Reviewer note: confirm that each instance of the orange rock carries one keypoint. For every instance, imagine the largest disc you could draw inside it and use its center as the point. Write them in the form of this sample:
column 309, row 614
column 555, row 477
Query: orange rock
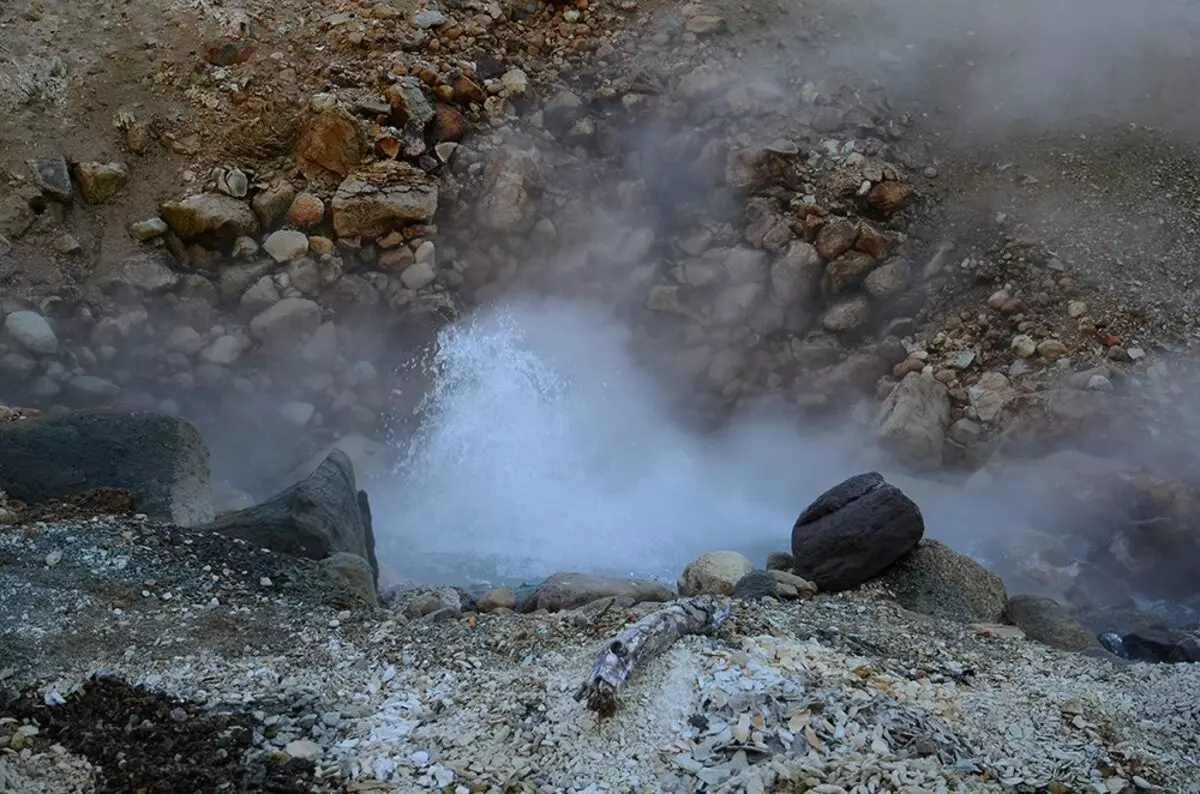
column 889, row 197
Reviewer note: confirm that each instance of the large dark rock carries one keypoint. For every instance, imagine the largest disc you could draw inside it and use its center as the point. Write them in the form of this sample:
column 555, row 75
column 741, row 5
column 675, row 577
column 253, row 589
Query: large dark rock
column 318, row 517
column 936, row 580
column 1161, row 644
column 854, row 531
column 161, row 460
column 1048, row 622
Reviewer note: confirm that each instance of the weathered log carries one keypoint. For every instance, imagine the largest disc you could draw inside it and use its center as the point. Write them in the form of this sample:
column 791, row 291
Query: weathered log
column 648, row 637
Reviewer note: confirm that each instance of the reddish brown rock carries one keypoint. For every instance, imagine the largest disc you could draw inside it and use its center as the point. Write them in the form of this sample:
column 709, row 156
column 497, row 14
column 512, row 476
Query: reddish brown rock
column 332, row 146
column 890, row 197
column 835, row 238
column 306, row 211
column 448, row 125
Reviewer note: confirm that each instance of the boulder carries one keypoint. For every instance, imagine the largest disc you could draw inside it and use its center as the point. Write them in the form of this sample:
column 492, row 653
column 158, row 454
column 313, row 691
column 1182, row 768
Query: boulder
column 352, row 575
column 1045, row 620
column 210, row 215
column 570, row 590
column 31, row 331
column 159, row 459
column 935, row 580
column 383, row 197
column 854, row 531
column 99, row 182
column 316, row 518
column 756, row 584
column 912, row 422
column 1161, row 644
column 715, row 573
column 496, row 599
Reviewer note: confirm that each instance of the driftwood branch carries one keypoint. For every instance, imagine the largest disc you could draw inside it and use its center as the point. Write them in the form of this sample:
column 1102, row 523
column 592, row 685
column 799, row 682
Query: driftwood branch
column 648, row 637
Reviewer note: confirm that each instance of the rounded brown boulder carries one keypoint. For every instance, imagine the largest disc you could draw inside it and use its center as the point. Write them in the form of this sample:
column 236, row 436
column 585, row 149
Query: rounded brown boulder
column 854, row 531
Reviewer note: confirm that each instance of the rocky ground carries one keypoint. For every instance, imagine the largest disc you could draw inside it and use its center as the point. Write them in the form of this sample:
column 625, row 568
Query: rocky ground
column 252, row 214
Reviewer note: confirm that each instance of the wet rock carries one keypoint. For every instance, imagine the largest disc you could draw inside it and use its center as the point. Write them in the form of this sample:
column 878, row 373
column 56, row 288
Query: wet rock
column 209, row 215
column 715, row 573
column 1045, row 620
column 297, row 414
column 332, row 146
column 383, row 197
column 836, row 238
column 854, row 531
column 286, row 245
column 315, row 518
column 31, row 331
column 289, row 319
column 933, row 579
column 888, row 280
column 735, row 304
column 161, row 460
column 100, row 182
column 224, row 350
column 570, row 590
column 847, row 272
column 506, row 204
column 92, row 389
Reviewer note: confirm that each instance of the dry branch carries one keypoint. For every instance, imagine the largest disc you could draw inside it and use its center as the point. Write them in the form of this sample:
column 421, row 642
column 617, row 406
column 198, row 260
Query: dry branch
column 648, row 637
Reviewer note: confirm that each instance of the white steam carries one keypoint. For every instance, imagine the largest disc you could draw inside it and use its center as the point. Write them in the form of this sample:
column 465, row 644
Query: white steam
column 543, row 447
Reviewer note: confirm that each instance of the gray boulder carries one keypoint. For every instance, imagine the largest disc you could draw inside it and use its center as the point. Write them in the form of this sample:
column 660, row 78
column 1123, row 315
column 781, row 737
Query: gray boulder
column 318, row 517
column 854, row 531
column 1048, row 622
column 158, row 458
column 936, row 580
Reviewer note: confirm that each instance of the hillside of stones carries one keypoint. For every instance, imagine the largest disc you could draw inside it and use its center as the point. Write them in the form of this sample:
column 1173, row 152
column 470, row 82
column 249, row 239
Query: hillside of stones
column 766, row 235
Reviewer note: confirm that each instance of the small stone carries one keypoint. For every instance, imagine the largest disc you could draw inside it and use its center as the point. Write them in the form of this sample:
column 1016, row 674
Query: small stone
column 303, row 750
column 1024, row 346
column 1076, row 309
column 287, row 319
column 515, row 81
column 418, row 275
column 224, row 350
column 148, row 229
column 286, row 245
column 1051, row 348
column 428, row 18
column 306, row 211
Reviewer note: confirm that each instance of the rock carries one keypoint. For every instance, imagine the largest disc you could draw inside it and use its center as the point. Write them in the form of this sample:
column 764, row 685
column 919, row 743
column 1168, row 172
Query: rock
column 442, row 602
column 913, row 419
column 779, row 561
column 847, row 272
column 317, row 517
column 1160, row 644
column 352, row 574
column 497, row 598
column 989, row 395
column 382, row 198
column 1045, row 620
column 31, row 331
column 734, row 305
column 51, row 176
column 448, row 125
column 224, row 350
column 715, row 573
column 1023, row 346
column 368, row 458
column 209, row 215
column 303, row 750
column 332, row 146
column 854, row 531
column 306, row 211
column 933, row 579
column 146, row 230
column 506, row 204
column 570, row 590
column 847, row 315
column 756, row 584
column 1051, row 348
column 428, row 18
column 835, row 238
column 160, row 460
column 418, row 275
column 410, row 107
column 890, row 197
column 297, row 414
column 795, row 275
column 287, row 320
column 145, row 273
column 273, row 204
column 100, row 182
column 888, row 280
column 789, row 585
column 286, row 245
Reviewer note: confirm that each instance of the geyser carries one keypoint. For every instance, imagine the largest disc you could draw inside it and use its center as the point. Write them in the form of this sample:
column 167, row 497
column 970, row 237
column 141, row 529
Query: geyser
column 542, row 446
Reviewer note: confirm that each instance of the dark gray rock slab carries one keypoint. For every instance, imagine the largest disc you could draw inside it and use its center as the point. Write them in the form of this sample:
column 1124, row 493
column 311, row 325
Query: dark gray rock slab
column 1045, row 620
column 318, row 517
column 160, row 459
